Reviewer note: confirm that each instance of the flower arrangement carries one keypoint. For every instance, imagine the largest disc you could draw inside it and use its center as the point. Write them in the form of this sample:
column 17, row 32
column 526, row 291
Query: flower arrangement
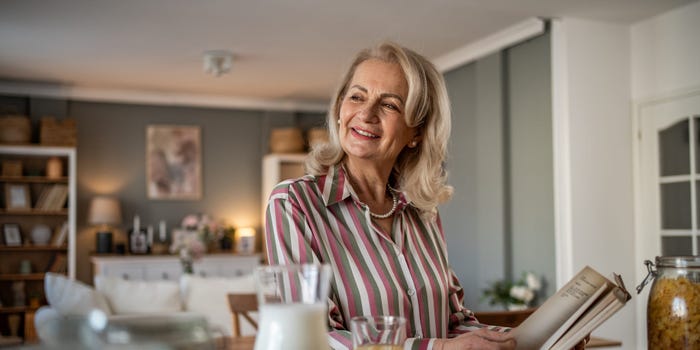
column 516, row 295
column 191, row 242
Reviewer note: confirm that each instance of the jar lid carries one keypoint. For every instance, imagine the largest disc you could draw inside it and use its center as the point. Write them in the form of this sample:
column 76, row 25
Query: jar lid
column 678, row 261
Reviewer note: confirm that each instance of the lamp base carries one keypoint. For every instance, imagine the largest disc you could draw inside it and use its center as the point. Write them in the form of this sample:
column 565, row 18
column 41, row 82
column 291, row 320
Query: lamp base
column 104, row 242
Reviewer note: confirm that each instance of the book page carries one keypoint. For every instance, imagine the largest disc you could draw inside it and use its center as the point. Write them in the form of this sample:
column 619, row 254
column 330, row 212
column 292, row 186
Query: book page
column 558, row 312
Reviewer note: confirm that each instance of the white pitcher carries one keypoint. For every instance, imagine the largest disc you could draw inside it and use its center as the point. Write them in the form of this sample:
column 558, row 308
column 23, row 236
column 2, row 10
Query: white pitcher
column 292, row 304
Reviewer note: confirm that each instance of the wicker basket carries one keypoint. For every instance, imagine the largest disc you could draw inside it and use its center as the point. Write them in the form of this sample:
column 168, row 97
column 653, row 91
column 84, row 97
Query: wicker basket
column 15, row 129
column 286, row 140
column 58, row 133
column 317, row 136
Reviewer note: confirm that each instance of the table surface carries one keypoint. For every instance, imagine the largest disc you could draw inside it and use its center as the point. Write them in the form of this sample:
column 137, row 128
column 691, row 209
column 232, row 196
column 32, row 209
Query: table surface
column 248, row 342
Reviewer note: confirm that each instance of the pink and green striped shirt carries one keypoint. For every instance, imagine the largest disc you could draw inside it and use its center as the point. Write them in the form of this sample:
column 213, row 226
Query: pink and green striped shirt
column 319, row 219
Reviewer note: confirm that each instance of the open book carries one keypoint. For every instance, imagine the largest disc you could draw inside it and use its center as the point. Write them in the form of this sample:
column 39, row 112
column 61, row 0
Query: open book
column 573, row 312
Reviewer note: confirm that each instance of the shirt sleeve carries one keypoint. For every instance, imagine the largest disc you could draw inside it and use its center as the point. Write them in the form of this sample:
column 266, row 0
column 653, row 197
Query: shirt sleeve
column 289, row 241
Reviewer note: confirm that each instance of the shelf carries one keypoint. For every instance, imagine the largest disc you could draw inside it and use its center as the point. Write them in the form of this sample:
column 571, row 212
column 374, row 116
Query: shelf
column 33, row 212
column 33, row 248
column 33, row 179
column 12, row 309
column 22, row 277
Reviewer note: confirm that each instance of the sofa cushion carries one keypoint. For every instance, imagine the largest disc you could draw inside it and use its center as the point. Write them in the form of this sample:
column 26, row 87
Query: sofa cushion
column 208, row 295
column 71, row 297
column 139, row 297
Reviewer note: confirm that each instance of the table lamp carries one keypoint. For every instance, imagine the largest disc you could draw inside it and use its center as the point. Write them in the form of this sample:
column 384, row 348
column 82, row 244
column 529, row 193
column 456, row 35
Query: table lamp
column 104, row 213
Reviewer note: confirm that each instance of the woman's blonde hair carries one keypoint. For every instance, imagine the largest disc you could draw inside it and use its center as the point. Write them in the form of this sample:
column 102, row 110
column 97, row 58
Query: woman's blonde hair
column 419, row 171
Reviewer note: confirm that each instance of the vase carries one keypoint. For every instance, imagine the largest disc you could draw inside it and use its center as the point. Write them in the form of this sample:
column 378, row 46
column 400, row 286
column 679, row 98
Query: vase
column 187, row 266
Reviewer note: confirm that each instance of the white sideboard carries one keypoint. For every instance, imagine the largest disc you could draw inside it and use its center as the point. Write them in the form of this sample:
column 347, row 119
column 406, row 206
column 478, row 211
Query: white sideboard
column 168, row 267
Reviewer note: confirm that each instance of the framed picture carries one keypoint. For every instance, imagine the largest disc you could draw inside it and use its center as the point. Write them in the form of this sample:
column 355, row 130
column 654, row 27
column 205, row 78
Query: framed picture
column 17, row 197
column 173, row 162
column 12, row 234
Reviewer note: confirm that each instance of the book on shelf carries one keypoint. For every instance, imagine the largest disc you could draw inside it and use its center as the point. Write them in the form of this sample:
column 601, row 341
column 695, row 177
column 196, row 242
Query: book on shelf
column 573, row 312
column 52, row 198
column 59, row 264
column 59, row 238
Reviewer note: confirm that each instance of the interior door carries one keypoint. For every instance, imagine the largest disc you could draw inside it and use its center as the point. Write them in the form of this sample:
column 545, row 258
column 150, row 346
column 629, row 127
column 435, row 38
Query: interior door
column 669, row 185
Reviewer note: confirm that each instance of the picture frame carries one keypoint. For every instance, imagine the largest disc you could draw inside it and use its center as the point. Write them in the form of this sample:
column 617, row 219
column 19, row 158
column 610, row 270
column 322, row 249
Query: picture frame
column 12, row 234
column 173, row 162
column 245, row 245
column 17, row 197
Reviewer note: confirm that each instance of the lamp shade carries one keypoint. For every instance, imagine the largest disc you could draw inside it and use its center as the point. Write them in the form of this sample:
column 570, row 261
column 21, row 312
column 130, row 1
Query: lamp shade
column 104, row 210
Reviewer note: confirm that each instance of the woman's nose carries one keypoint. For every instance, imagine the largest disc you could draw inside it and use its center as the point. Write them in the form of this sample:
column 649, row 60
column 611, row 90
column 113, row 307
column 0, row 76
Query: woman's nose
column 368, row 113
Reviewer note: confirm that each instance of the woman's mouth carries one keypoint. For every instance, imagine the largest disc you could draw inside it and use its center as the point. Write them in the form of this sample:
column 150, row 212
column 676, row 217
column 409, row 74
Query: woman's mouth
column 365, row 133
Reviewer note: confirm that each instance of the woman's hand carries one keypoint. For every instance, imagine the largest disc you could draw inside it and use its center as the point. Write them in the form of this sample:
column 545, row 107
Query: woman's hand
column 480, row 339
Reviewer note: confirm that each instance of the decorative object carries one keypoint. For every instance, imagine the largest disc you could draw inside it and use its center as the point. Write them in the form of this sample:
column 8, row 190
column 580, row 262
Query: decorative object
column 18, row 296
column 173, row 162
column 15, row 129
column 41, row 234
column 25, row 267
column 104, row 212
column 518, row 295
column 217, row 62
column 58, row 133
column 17, row 197
column 13, row 322
column 11, row 168
column 12, row 234
column 286, row 140
column 138, row 239
column 245, row 240
column 191, row 241
column 54, row 168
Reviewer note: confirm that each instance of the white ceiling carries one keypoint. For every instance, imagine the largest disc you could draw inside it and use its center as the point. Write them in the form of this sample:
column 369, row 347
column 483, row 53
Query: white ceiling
column 284, row 50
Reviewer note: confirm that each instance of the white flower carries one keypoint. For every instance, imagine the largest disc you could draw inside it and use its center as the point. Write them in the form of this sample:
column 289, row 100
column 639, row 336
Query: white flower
column 532, row 281
column 522, row 293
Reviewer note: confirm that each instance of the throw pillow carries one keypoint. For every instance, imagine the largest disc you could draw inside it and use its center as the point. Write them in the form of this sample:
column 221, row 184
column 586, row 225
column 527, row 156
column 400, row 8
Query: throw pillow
column 208, row 295
column 139, row 297
column 71, row 297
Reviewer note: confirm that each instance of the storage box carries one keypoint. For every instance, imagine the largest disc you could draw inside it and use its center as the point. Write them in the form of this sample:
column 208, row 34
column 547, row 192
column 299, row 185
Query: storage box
column 58, row 133
column 15, row 129
column 11, row 168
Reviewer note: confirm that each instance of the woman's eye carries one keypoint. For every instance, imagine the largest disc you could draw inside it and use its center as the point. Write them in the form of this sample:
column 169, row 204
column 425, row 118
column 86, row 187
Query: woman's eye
column 355, row 98
column 391, row 106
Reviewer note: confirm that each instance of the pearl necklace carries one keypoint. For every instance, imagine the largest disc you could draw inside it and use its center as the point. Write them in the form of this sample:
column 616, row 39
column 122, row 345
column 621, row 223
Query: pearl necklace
column 390, row 212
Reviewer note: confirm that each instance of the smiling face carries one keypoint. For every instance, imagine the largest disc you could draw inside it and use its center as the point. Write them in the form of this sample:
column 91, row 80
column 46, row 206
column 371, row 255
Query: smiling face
column 372, row 124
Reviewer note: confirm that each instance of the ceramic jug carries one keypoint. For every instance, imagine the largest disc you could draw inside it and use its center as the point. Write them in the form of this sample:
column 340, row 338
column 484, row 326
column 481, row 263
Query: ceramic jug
column 292, row 302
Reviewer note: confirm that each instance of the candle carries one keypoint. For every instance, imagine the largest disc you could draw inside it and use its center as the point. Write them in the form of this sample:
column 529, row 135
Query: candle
column 137, row 224
column 161, row 231
column 150, row 235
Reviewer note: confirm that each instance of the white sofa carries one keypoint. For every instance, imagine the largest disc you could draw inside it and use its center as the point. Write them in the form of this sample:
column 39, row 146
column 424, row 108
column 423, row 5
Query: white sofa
column 118, row 298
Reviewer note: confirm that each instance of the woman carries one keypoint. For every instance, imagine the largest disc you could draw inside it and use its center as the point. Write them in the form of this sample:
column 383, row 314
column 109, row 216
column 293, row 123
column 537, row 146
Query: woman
column 369, row 207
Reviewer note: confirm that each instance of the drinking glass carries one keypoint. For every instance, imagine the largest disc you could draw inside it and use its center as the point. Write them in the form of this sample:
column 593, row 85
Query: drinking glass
column 292, row 302
column 378, row 332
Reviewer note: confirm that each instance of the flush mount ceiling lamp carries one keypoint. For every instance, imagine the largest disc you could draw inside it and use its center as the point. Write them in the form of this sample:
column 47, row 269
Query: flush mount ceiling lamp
column 217, row 62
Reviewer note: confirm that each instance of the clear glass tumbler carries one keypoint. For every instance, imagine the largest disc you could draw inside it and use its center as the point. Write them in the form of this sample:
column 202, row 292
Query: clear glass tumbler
column 378, row 332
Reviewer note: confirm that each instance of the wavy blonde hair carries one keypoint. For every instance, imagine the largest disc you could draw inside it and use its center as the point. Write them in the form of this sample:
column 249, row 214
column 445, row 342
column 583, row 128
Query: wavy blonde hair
column 419, row 171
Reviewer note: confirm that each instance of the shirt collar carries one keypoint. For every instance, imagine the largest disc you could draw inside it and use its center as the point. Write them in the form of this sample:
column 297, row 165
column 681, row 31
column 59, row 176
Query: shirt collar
column 337, row 188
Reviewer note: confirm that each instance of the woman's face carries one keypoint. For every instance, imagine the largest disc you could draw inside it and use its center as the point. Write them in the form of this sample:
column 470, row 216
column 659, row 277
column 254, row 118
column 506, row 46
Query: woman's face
column 372, row 125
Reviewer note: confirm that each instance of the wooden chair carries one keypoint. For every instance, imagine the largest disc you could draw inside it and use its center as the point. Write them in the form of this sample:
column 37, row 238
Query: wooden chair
column 241, row 304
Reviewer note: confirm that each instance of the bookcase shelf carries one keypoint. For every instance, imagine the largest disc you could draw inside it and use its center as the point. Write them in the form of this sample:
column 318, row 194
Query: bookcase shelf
column 58, row 214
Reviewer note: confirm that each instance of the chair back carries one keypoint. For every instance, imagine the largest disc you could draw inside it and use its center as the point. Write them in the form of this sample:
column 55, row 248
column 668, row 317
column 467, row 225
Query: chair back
column 241, row 304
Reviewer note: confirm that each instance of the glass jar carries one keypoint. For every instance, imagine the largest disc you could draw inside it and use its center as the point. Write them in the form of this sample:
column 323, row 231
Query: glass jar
column 673, row 310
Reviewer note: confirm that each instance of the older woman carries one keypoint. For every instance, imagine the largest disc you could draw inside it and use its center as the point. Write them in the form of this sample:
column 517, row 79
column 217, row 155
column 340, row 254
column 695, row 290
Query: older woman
column 369, row 207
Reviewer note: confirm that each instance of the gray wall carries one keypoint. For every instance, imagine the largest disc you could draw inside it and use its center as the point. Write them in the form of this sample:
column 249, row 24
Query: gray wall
column 111, row 160
column 500, row 220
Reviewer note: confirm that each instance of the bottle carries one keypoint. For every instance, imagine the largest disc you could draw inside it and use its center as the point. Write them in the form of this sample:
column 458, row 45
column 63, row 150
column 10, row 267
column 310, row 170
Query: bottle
column 673, row 309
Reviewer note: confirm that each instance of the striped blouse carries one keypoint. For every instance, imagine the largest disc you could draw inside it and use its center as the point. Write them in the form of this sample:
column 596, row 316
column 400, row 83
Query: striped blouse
column 319, row 219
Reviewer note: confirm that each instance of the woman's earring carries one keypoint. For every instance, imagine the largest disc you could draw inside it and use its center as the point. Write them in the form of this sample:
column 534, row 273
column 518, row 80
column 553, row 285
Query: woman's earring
column 338, row 121
column 412, row 144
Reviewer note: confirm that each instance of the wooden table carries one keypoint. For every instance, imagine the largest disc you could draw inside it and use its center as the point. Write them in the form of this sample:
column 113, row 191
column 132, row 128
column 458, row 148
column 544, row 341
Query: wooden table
column 248, row 342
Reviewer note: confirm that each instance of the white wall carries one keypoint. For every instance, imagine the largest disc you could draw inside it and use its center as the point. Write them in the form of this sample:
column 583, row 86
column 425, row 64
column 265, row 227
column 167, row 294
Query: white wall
column 666, row 53
column 594, row 81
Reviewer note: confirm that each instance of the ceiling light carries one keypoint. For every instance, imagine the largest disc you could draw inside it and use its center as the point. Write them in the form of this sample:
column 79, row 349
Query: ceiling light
column 217, row 62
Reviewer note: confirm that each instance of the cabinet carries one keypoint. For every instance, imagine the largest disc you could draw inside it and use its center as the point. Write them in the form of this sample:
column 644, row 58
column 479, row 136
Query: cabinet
column 23, row 262
column 278, row 167
column 168, row 267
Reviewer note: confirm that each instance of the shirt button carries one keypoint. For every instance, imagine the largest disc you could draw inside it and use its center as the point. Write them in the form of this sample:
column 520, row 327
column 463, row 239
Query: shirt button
column 419, row 335
column 411, row 292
